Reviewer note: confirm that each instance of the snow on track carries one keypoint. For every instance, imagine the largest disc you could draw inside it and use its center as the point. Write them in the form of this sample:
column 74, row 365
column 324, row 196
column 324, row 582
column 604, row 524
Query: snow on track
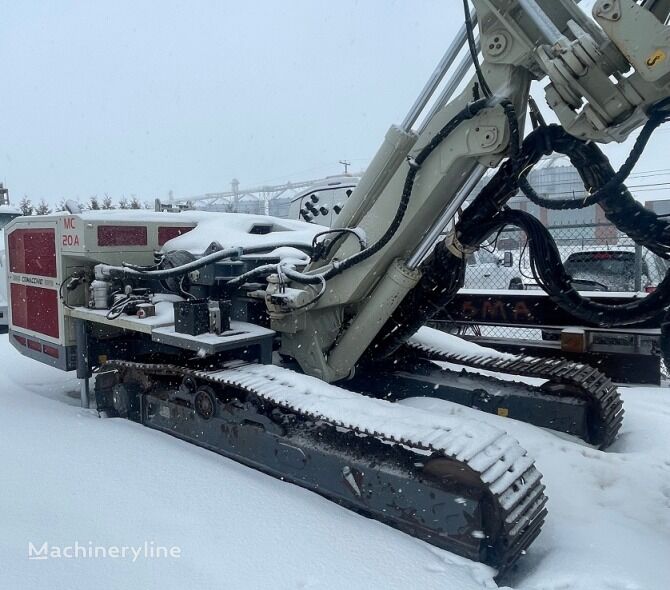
column 433, row 338
column 66, row 476
column 462, row 439
column 608, row 523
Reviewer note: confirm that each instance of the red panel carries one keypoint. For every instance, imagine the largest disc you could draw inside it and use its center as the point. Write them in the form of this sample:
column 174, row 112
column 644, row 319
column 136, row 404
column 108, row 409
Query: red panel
column 19, row 302
column 122, row 235
column 166, row 233
column 20, row 339
column 51, row 351
column 34, row 345
column 35, row 308
column 33, row 251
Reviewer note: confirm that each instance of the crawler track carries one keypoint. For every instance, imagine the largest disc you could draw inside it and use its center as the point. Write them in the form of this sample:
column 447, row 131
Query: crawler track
column 575, row 379
column 457, row 454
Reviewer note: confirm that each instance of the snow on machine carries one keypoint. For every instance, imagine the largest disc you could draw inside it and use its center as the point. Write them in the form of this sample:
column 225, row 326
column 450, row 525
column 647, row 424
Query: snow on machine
column 284, row 344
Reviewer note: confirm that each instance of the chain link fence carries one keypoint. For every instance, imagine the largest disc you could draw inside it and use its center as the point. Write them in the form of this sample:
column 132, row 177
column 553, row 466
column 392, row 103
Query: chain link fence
column 597, row 256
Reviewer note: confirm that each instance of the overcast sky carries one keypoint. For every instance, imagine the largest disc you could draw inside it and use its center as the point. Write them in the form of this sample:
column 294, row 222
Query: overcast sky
column 146, row 97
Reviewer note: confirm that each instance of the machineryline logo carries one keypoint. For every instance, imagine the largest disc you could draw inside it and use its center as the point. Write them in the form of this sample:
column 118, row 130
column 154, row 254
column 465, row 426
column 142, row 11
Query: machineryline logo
column 76, row 550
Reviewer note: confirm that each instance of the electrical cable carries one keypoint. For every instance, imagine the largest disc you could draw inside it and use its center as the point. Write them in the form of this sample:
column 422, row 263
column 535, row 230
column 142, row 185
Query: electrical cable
column 60, row 289
column 120, row 306
column 472, row 46
column 117, row 309
column 183, row 291
column 322, row 251
column 470, row 111
column 316, row 298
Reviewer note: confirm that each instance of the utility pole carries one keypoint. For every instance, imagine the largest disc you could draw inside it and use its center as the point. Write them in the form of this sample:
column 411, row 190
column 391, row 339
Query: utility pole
column 346, row 164
column 235, row 185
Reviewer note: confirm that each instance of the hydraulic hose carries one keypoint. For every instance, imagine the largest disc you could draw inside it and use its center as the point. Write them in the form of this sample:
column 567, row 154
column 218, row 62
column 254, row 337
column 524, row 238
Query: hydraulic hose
column 280, row 268
column 658, row 114
column 548, row 271
column 166, row 273
column 443, row 269
column 470, row 111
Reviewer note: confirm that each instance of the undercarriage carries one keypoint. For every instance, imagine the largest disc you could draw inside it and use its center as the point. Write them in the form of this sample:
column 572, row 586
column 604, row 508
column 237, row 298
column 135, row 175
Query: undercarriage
column 464, row 486
column 460, row 485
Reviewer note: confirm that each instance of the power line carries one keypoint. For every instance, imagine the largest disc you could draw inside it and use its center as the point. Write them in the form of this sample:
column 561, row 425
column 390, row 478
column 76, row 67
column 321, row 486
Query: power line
column 636, row 187
column 577, row 180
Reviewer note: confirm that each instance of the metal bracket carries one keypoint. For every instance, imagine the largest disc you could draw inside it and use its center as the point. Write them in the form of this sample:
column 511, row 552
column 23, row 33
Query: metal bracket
column 608, row 9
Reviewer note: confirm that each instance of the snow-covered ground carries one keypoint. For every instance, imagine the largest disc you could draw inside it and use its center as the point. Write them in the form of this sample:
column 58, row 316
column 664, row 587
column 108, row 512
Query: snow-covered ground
column 68, row 477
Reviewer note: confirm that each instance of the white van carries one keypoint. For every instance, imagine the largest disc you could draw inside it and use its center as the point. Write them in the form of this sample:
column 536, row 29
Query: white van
column 492, row 270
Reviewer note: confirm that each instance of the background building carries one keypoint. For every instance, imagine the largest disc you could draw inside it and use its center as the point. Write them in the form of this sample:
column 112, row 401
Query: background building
column 555, row 178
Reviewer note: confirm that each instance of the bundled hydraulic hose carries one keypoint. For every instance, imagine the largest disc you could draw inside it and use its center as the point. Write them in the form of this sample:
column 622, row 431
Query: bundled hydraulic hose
column 658, row 114
column 604, row 185
column 443, row 269
column 548, row 271
column 486, row 215
column 127, row 271
column 105, row 270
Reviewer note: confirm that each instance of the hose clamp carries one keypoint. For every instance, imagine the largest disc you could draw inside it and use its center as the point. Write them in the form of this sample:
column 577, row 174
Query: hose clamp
column 454, row 246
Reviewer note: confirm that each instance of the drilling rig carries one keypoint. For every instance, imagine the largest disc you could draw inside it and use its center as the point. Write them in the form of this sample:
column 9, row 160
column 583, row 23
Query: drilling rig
column 284, row 345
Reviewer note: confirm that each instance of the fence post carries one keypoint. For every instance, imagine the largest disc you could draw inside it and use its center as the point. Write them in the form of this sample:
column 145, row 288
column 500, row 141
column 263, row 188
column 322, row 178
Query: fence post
column 638, row 268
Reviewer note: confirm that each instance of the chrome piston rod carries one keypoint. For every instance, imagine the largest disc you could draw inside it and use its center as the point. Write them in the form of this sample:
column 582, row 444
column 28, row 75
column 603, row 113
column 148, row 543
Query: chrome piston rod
column 451, row 87
column 445, row 217
column 541, row 21
column 436, row 77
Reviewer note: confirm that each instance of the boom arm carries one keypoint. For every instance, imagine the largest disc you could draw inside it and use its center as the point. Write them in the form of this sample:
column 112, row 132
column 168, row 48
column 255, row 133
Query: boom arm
column 418, row 180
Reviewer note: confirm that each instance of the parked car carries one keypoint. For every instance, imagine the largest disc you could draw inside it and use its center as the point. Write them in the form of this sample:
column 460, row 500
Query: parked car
column 611, row 269
column 489, row 270
column 614, row 270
